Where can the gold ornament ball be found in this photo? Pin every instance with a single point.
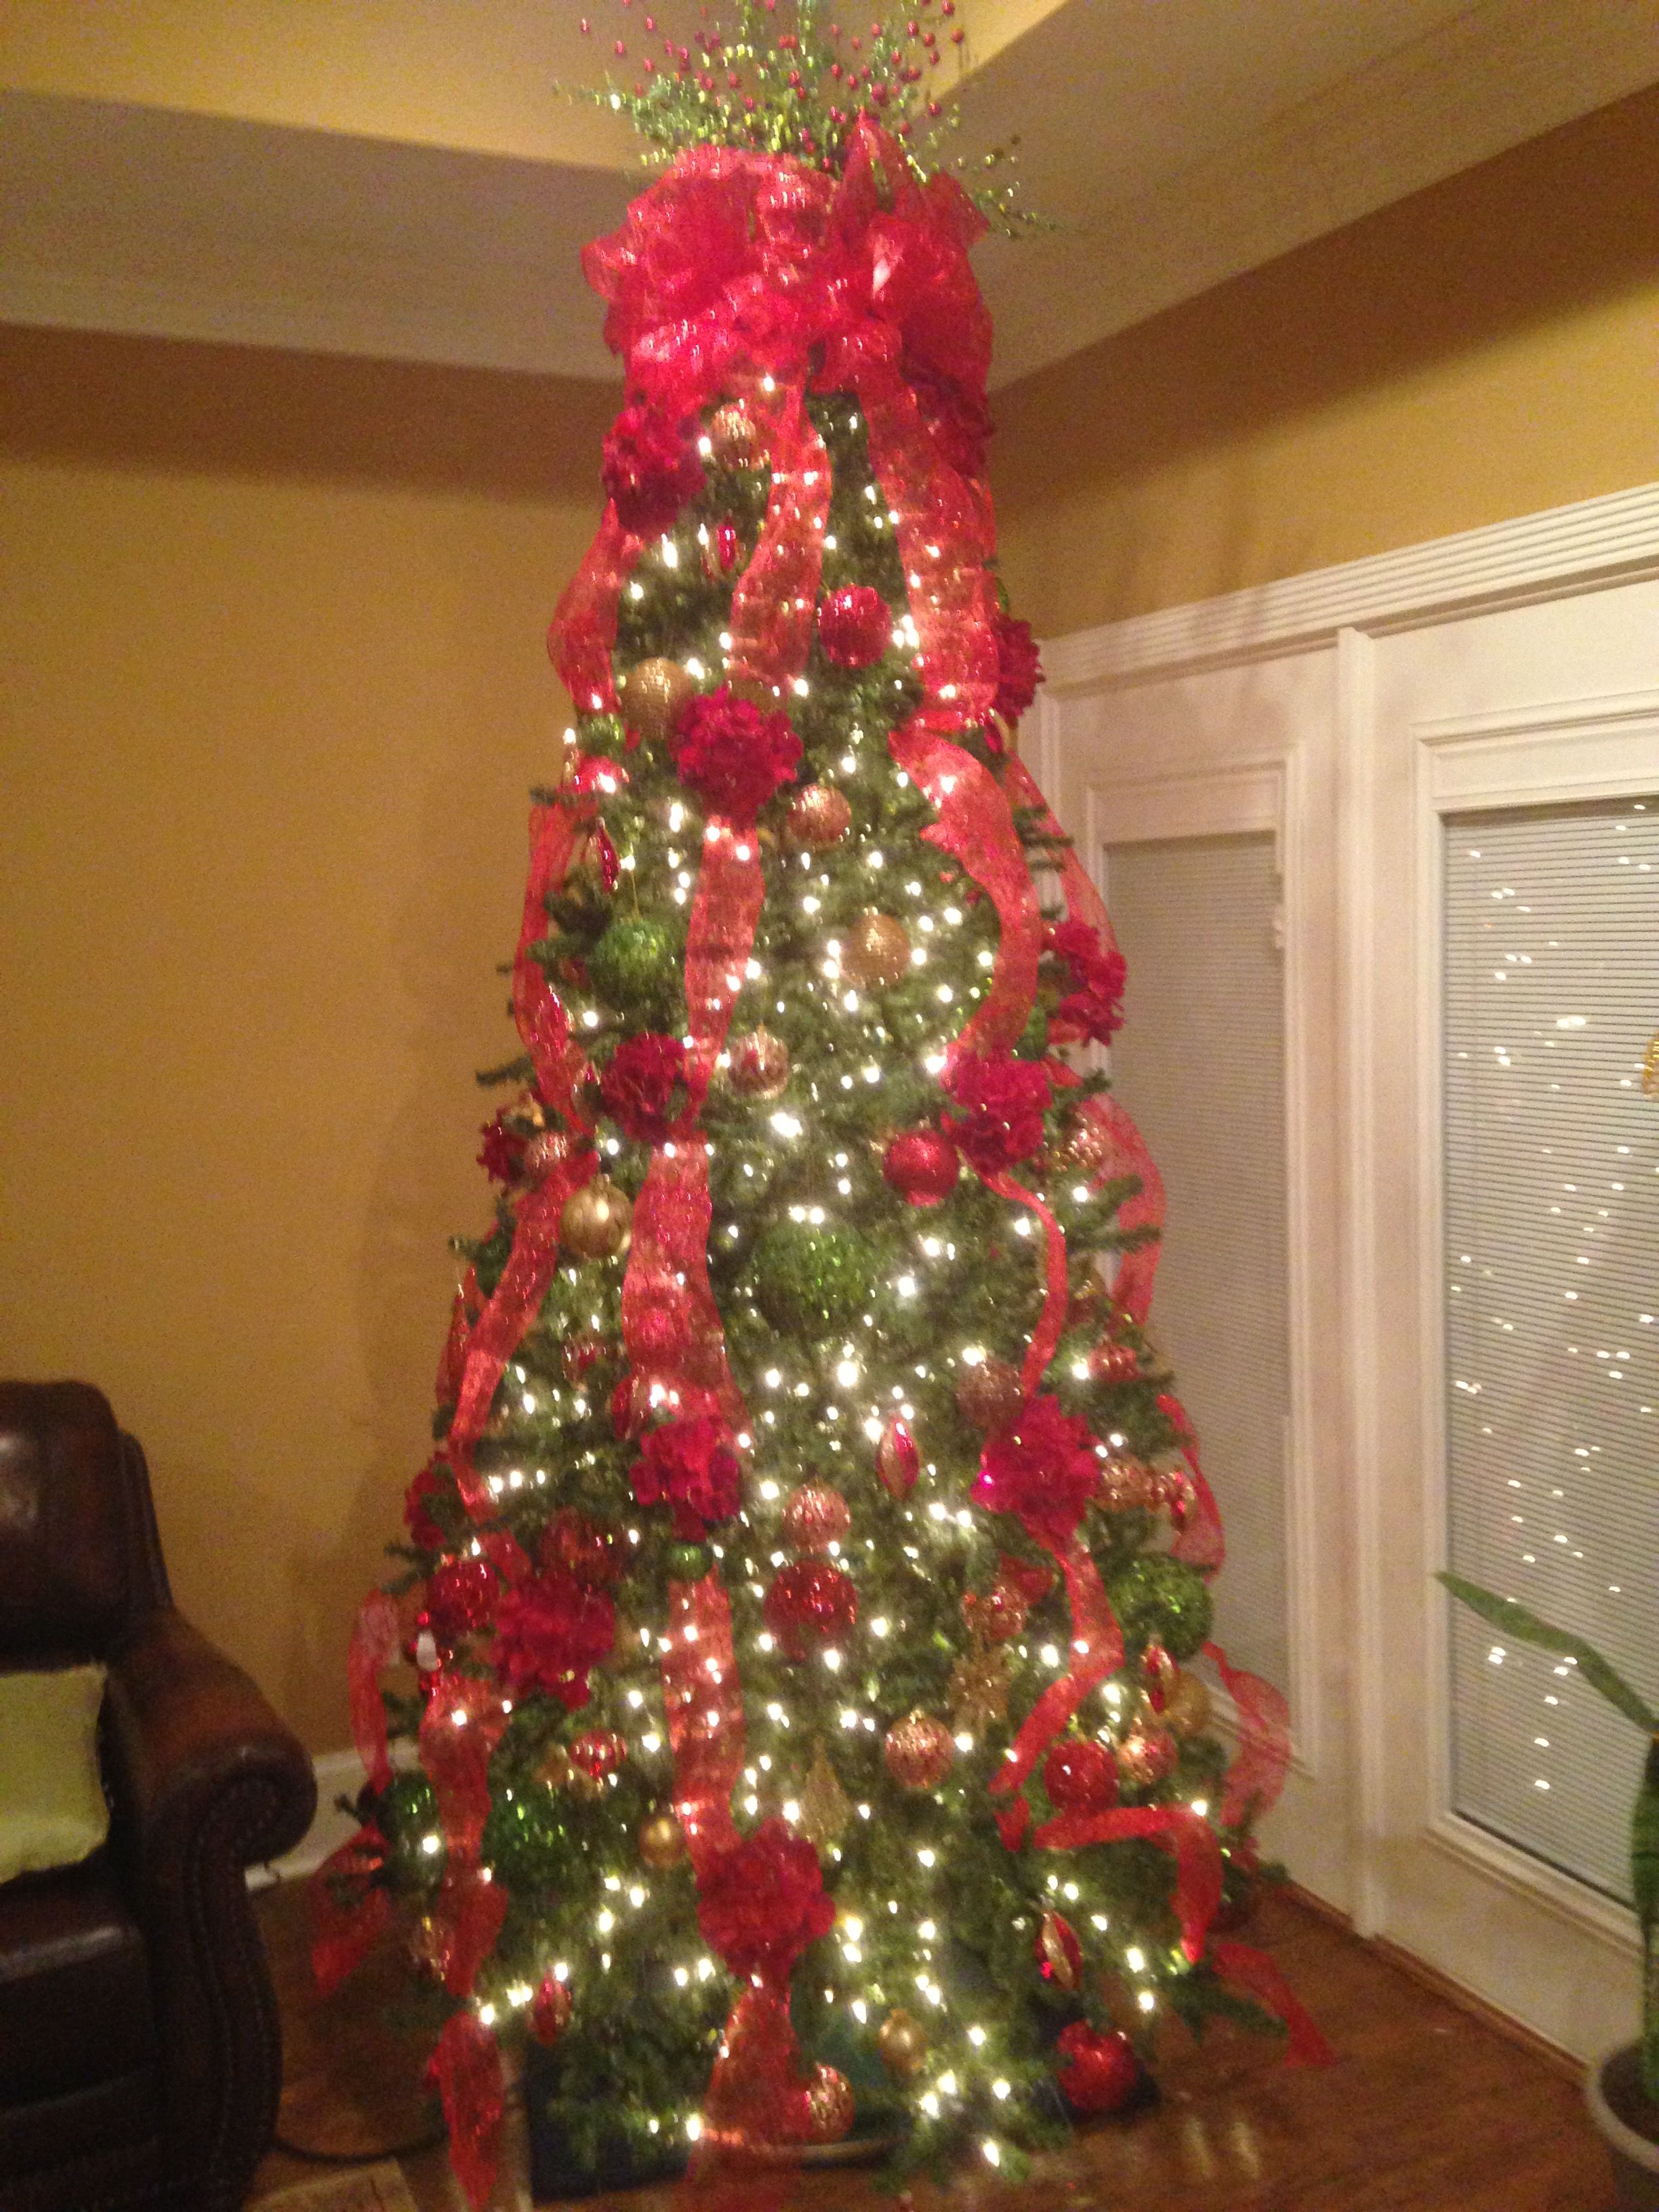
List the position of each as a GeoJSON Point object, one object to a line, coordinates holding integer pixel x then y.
{"type": "Point", "coordinates": [877, 952]}
{"type": "Point", "coordinates": [652, 694]}
{"type": "Point", "coordinates": [990, 1393]}
{"type": "Point", "coordinates": [547, 1150]}
{"type": "Point", "coordinates": [903, 2042]}
{"type": "Point", "coordinates": [919, 1751]}
{"type": "Point", "coordinates": [814, 1518]}
{"type": "Point", "coordinates": [1147, 1756]}
{"type": "Point", "coordinates": [760, 1064]}
{"type": "Point", "coordinates": [736, 438]}
{"type": "Point", "coordinates": [1127, 1484]}
{"type": "Point", "coordinates": [596, 1220]}
{"type": "Point", "coordinates": [1187, 1706]}
{"type": "Point", "coordinates": [829, 2105]}
{"type": "Point", "coordinates": [1085, 1147]}
{"type": "Point", "coordinates": [662, 1842]}
{"type": "Point", "coordinates": [817, 817]}
{"type": "Point", "coordinates": [1114, 1363]}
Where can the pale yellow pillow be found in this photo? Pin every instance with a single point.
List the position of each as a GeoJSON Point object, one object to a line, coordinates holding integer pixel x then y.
{"type": "Point", "coordinates": [53, 1812]}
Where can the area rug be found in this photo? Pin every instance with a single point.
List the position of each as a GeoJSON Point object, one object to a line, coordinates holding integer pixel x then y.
{"type": "Point", "coordinates": [366, 2189]}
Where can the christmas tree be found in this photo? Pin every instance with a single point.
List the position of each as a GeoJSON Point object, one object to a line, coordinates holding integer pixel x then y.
{"type": "Point", "coordinates": [803, 1587]}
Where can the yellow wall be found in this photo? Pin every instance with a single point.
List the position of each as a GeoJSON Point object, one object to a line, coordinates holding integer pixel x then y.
{"type": "Point", "coordinates": [272, 690]}
{"type": "Point", "coordinates": [1483, 350]}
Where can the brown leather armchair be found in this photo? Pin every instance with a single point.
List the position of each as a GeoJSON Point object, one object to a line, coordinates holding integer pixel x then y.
{"type": "Point", "coordinates": [140, 2060]}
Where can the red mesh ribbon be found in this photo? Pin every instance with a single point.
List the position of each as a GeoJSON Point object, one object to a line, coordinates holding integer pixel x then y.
{"type": "Point", "coordinates": [719, 936]}
{"type": "Point", "coordinates": [775, 606]}
{"type": "Point", "coordinates": [468, 2066]}
{"type": "Point", "coordinates": [1257, 1774]}
{"type": "Point", "coordinates": [671, 1325]}
{"type": "Point", "coordinates": [1097, 1650]}
{"type": "Point", "coordinates": [1126, 1155]}
{"type": "Point", "coordinates": [1177, 1828]}
{"type": "Point", "coordinates": [1052, 1320]}
{"type": "Point", "coordinates": [350, 1908]}
{"type": "Point", "coordinates": [452, 1364]}
{"type": "Point", "coordinates": [975, 828]}
{"type": "Point", "coordinates": [1083, 899]}
{"type": "Point", "coordinates": [459, 1729]}
{"type": "Point", "coordinates": [1255, 1974]}
{"type": "Point", "coordinates": [376, 1642]}
{"type": "Point", "coordinates": [1201, 1541]}
{"type": "Point", "coordinates": [584, 626]}
{"type": "Point", "coordinates": [755, 2096]}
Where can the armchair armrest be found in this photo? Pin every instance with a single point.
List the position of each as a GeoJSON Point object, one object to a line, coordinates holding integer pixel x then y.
{"type": "Point", "coordinates": [206, 1781]}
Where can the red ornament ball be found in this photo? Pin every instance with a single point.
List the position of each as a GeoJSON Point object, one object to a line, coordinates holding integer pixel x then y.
{"type": "Point", "coordinates": [855, 626]}
{"type": "Point", "coordinates": [1098, 2073]}
{"type": "Point", "coordinates": [996, 1615]}
{"type": "Point", "coordinates": [898, 1463]}
{"type": "Point", "coordinates": [829, 2105]}
{"type": "Point", "coordinates": [919, 1752]}
{"type": "Point", "coordinates": [460, 1597]}
{"type": "Point", "coordinates": [816, 818]}
{"type": "Point", "coordinates": [549, 2009]}
{"type": "Point", "coordinates": [808, 1604]}
{"type": "Point", "coordinates": [921, 1166]}
{"type": "Point", "coordinates": [1114, 1363]}
{"type": "Point", "coordinates": [990, 1393]}
{"type": "Point", "coordinates": [760, 1064]}
{"type": "Point", "coordinates": [597, 1753]}
{"type": "Point", "coordinates": [547, 1150]}
{"type": "Point", "coordinates": [1148, 1756]}
{"type": "Point", "coordinates": [814, 1518]}
{"type": "Point", "coordinates": [1080, 1775]}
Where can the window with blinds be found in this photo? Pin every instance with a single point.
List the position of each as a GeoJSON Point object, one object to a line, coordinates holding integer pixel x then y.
{"type": "Point", "coordinates": [1551, 1309]}
{"type": "Point", "coordinates": [1199, 1063]}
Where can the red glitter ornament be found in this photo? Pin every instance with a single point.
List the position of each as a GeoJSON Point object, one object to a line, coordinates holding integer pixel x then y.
{"type": "Point", "coordinates": [549, 2009]}
{"type": "Point", "coordinates": [919, 1752]}
{"type": "Point", "coordinates": [760, 1064]}
{"type": "Point", "coordinates": [810, 1603]}
{"type": "Point", "coordinates": [898, 1463]}
{"type": "Point", "coordinates": [1114, 1363]}
{"type": "Point", "coordinates": [921, 1166]}
{"type": "Point", "coordinates": [996, 1615]}
{"type": "Point", "coordinates": [829, 2105]}
{"type": "Point", "coordinates": [816, 818]}
{"type": "Point", "coordinates": [814, 1518]}
{"type": "Point", "coordinates": [1099, 2073]}
{"type": "Point", "coordinates": [1080, 1775]}
{"type": "Point", "coordinates": [461, 1597]}
{"type": "Point", "coordinates": [597, 1753]}
{"type": "Point", "coordinates": [855, 626]}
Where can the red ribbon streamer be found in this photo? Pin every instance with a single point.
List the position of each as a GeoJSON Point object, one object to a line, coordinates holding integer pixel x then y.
{"type": "Point", "coordinates": [468, 2066]}
{"type": "Point", "coordinates": [1052, 1320]}
{"type": "Point", "coordinates": [1097, 1650]}
{"type": "Point", "coordinates": [1257, 1774]}
{"type": "Point", "coordinates": [775, 607]}
{"type": "Point", "coordinates": [1255, 1973]}
{"type": "Point", "coordinates": [350, 1908]}
{"type": "Point", "coordinates": [376, 1641]}
{"type": "Point", "coordinates": [1126, 1155]}
{"type": "Point", "coordinates": [1201, 1542]}
{"type": "Point", "coordinates": [1199, 1871]}
{"type": "Point", "coordinates": [584, 627]}
{"type": "Point", "coordinates": [452, 1364]}
{"type": "Point", "coordinates": [726, 906]}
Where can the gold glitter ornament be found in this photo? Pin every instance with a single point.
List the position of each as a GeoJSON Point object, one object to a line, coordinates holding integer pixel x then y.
{"type": "Point", "coordinates": [1147, 1755]}
{"type": "Point", "coordinates": [825, 1808]}
{"type": "Point", "coordinates": [814, 1518]}
{"type": "Point", "coordinates": [1127, 1484]}
{"type": "Point", "coordinates": [978, 1692]}
{"type": "Point", "coordinates": [829, 2105]}
{"type": "Point", "coordinates": [596, 1220]}
{"type": "Point", "coordinates": [662, 1841]}
{"type": "Point", "coordinates": [902, 2041]}
{"type": "Point", "coordinates": [1114, 1363]}
{"type": "Point", "coordinates": [652, 695]}
{"type": "Point", "coordinates": [919, 1751]}
{"type": "Point", "coordinates": [816, 818]}
{"type": "Point", "coordinates": [876, 952]}
{"type": "Point", "coordinates": [989, 1393]}
{"type": "Point", "coordinates": [1187, 1706]}
{"type": "Point", "coordinates": [736, 438]}
{"type": "Point", "coordinates": [1058, 1952]}
{"type": "Point", "coordinates": [760, 1064]}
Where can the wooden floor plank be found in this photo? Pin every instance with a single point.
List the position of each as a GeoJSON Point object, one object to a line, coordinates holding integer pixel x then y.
{"type": "Point", "coordinates": [1429, 2108]}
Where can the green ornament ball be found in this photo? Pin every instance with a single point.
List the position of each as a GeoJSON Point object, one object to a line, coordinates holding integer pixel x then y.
{"type": "Point", "coordinates": [637, 966]}
{"type": "Point", "coordinates": [1156, 1597]}
{"type": "Point", "coordinates": [527, 1841]}
{"type": "Point", "coordinates": [406, 1814]}
{"type": "Point", "coordinates": [806, 1280]}
{"type": "Point", "coordinates": [689, 1563]}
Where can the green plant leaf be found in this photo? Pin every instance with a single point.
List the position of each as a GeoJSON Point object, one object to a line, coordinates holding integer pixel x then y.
{"type": "Point", "coordinates": [1526, 1628]}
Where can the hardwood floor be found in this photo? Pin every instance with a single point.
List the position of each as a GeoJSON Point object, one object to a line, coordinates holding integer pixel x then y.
{"type": "Point", "coordinates": [1430, 2108]}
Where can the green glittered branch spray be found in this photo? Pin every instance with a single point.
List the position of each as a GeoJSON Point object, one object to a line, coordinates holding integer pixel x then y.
{"type": "Point", "coordinates": [1525, 1627]}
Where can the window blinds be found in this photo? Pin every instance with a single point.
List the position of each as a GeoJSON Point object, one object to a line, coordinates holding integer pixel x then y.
{"type": "Point", "coordinates": [1199, 1063]}
{"type": "Point", "coordinates": [1551, 996]}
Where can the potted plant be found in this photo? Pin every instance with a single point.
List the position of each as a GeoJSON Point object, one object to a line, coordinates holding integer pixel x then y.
{"type": "Point", "coordinates": [1622, 2088]}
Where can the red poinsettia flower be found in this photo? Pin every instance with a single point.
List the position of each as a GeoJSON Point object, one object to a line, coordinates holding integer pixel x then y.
{"type": "Point", "coordinates": [650, 470]}
{"type": "Point", "coordinates": [1003, 1102]}
{"type": "Point", "coordinates": [1093, 1008]}
{"type": "Point", "coordinates": [691, 1467]}
{"type": "Point", "coordinates": [637, 1089]}
{"type": "Point", "coordinates": [1018, 669]}
{"type": "Point", "coordinates": [501, 1153]}
{"type": "Point", "coordinates": [550, 1631]}
{"type": "Point", "coordinates": [734, 755]}
{"type": "Point", "coordinates": [761, 1903]}
{"type": "Point", "coordinates": [1043, 1468]}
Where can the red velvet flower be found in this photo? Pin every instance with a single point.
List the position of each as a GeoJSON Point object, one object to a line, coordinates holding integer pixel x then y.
{"type": "Point", "coordinates": [1043, 1468]}
{"type": "Point", "coordinates": [855, 626]}
{"type": "Point", "coordinates": [502, 1154]}
{"type": "Point", "coordinates": [761, 1903]}
{"type": "Point", "coordinates": [422, 1528]}
{"type": "Point", "coordinates": [549, 1632]}
{"type": "Point", "coordinates": [1003, 1102]}
{"type": "Point", "coordinates": [732, 755]}
{"type": "Point", "coordinates": [1093, 1007]}
{"type": "Point", "coordinates": [1018, 669]}
{"type": "Point", "coordinates": [691, 1467]}
{"type": "Point", "coordinates": [650, 470]}
{"type": "Point", "coordinates": [637, 1089]}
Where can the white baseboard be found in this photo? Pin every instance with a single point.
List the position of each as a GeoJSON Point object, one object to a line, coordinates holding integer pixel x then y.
{"type": "Point", "coordinates": [339, 1774]}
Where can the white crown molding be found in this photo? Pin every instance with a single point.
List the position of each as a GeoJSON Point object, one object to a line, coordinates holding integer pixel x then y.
{"type": "Point", "coordinates": [1590, 543]}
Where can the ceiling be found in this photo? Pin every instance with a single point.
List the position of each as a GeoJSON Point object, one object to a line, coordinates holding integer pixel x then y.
{"type": "Point", "coordinates": [401, 178]}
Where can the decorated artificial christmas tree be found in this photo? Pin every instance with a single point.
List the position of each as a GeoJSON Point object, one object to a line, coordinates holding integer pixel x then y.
{"type": "Point", "coordinates": [803, 1590]}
